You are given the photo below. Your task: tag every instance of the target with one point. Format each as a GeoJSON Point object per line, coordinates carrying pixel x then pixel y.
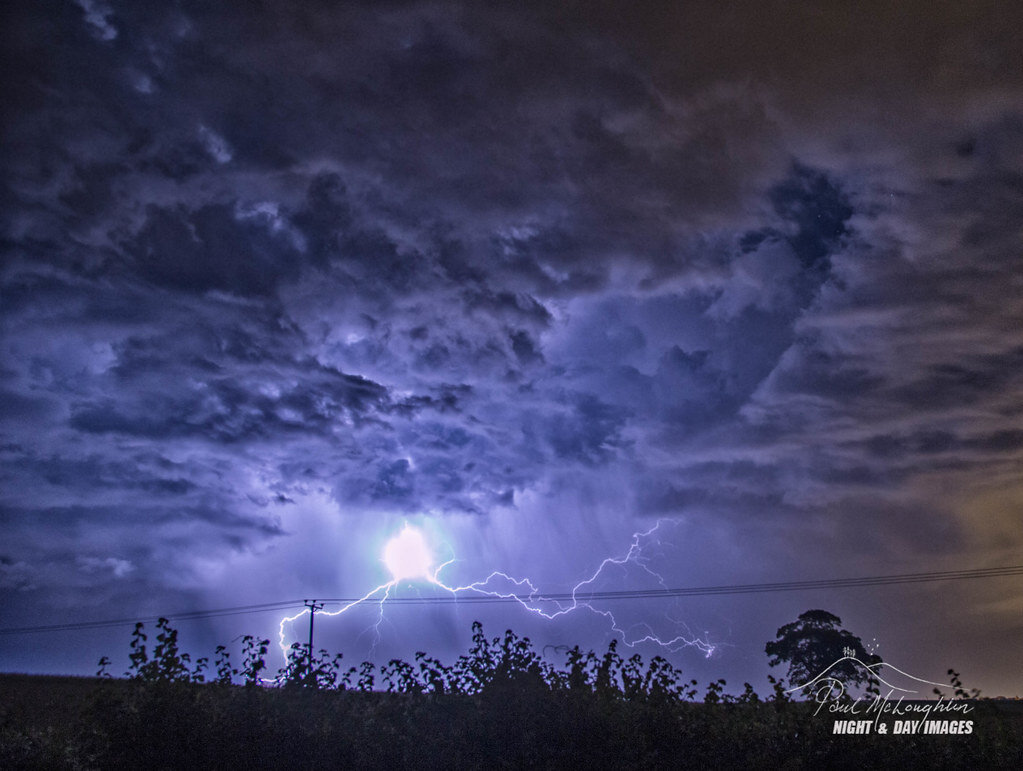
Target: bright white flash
{"type": "Point", "coordinates": [408, 556]}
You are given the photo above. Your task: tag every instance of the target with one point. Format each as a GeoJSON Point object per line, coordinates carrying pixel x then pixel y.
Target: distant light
{"type": "Point", "coordinates": [408, 556]}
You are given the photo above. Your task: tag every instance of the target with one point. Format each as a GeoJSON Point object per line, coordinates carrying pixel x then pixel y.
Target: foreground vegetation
{"type": "Point", "coordinates": [500, 705]}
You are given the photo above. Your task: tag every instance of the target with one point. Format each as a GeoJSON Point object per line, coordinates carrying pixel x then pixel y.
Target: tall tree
{"type": "Point", "coordinates": [816, 646]}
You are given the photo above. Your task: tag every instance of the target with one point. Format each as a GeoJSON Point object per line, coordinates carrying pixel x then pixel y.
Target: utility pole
{"type": "Point", "coordinates": [313, 606]}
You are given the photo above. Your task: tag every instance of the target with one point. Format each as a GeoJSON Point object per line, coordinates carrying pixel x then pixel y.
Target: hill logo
{"type": "Point", "coordinates": [892, 704]}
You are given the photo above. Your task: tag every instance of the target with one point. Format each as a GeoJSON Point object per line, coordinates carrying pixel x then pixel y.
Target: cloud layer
{"type": "Point", "coordinates": [273, 281]}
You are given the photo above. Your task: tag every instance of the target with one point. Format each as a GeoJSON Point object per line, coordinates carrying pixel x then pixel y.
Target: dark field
{"type": "Point", "coordinates": [65, 722]}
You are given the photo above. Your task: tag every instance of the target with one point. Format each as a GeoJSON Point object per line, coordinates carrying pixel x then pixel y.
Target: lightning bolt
{"type": "Point", "coordinates": [408, 558]}
{"type": "Point", "coordinates": [634, 555]}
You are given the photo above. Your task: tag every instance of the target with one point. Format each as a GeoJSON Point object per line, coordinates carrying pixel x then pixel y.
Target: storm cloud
{"type": "Point", "coordinates": [537, 274]}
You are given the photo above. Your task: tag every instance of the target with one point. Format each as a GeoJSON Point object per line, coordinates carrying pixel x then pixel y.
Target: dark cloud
{"type": "Point", "coordinates": [208, 249]}
{"type": "Point", "coordinates": [273, 279]}
{"type": "Point", "coordinates": [946, 384]}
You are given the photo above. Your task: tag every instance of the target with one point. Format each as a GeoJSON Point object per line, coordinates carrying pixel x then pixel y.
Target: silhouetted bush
{"type": "Point", "coordinates": [498, 705]}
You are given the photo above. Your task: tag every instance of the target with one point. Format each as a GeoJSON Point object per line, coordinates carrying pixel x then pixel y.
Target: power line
{"type": "Point", "coordinates": [561, 597]}
{"type": "Point", "coordinates": [184, 616]}
{"type": "Point", "coordinates": [836, 583]}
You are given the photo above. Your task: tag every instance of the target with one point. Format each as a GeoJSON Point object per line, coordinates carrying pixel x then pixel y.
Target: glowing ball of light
{"type": "Point", "coordinates": [408, 556]}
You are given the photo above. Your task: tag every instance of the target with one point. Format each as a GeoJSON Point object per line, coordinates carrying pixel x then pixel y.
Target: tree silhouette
{"type": "Point", "coordinates": [815, 645]}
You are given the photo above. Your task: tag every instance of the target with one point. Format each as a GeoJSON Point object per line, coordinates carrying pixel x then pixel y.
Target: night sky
{"type": "Point", "coordinates": [281, 278]}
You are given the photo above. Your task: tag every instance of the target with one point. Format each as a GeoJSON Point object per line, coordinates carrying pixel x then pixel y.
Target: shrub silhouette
{"type": "Point", "coordinates": [167, 664]}
{"type": "Point", "coordinates": [498, 705]}
{"type": "Point", "coordinates": [491, 664]}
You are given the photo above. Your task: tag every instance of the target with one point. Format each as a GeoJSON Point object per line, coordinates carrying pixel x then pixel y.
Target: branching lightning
{"type": "Point", "coordinates": [408, 557]}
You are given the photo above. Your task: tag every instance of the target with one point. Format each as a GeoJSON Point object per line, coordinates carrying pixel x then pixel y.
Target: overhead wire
{"type": "Point", "coordinates": [535, 598]}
